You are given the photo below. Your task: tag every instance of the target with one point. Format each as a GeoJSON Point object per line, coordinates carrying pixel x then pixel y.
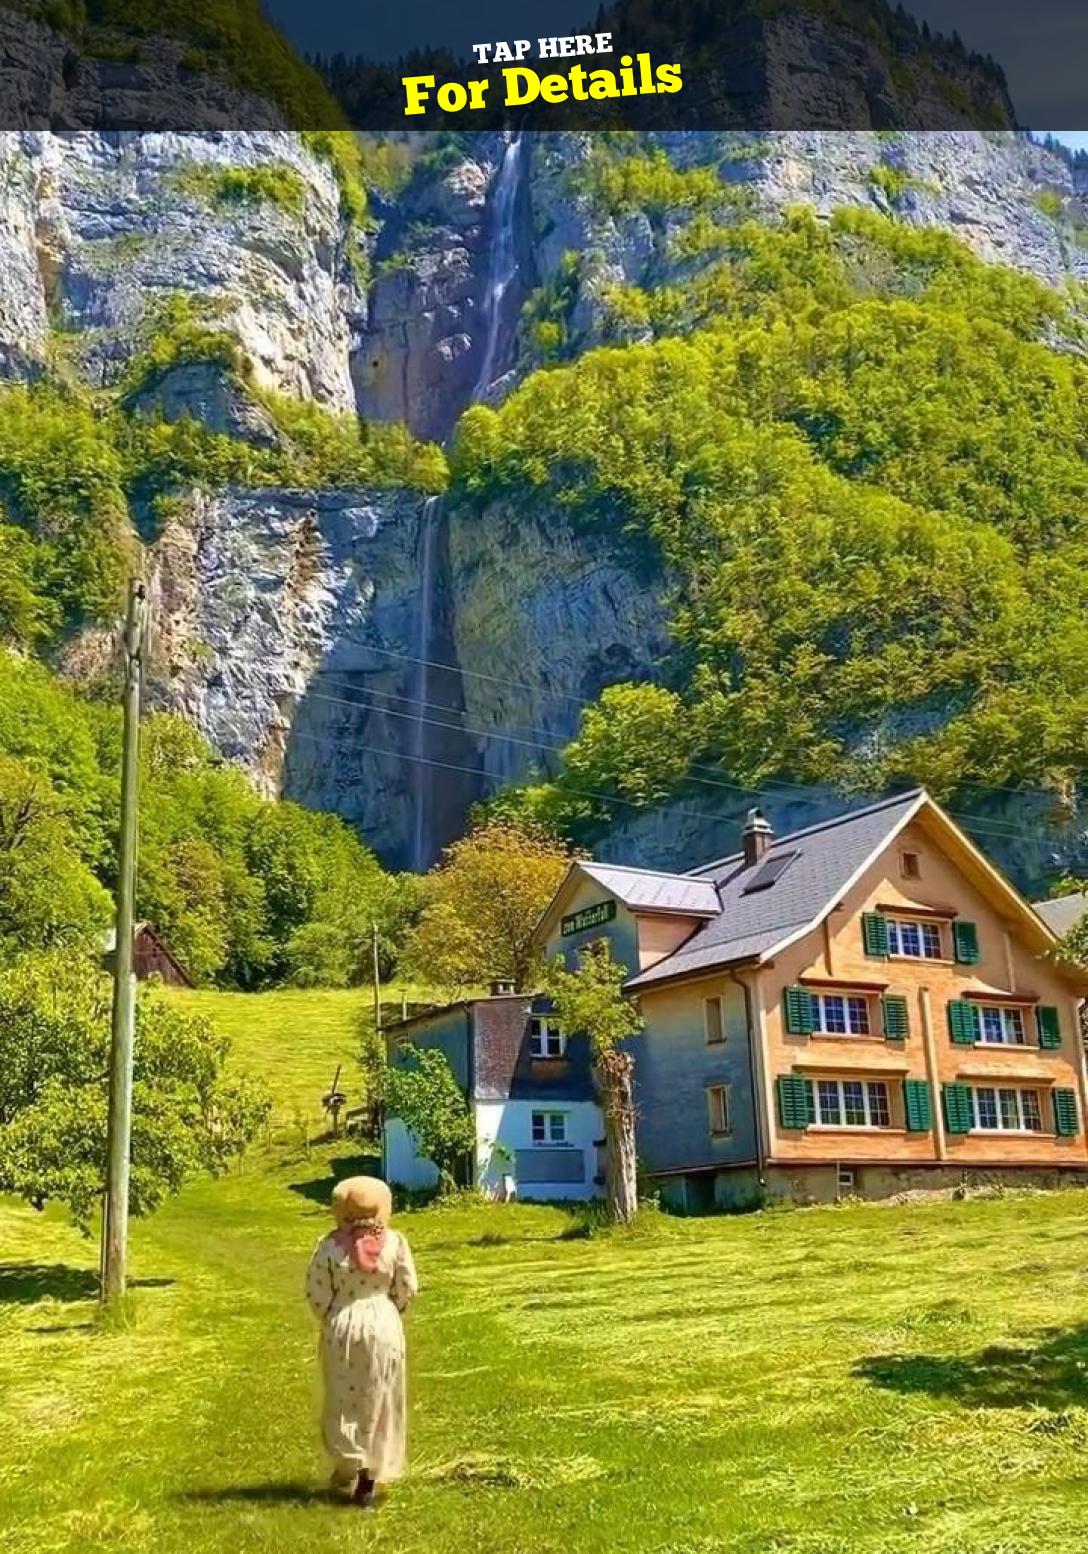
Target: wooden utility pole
{"type": "Point", "coordinates": [115, 1221]}
{"type": "Point", "coordinates": [377, 980]}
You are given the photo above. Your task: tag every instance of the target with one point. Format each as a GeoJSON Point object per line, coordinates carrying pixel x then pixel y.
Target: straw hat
{"type": "Point", "coordinates": [361, 1198]}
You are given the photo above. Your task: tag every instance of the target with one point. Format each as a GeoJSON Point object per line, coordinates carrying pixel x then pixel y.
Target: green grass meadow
{"type": "Point", "coordinates": [294, 1038]}
{"type": "Point", "coordinates": [908, 1379]}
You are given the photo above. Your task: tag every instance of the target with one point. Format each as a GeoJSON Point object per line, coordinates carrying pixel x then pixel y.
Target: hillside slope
{"type": "Point", "coordinates": [363, 645]}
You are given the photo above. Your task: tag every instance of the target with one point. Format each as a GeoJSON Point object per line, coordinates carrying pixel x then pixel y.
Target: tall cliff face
{"type": "Point", "coordinates": [371, 652]}
{"type": "Point", "coordinates": [99, 226]}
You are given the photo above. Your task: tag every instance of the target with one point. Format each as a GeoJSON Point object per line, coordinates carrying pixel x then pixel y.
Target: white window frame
{"type": "Point", "coordinates": [867, 1099]}
{"type": "Point", "coordinates": [1001, 1095]}
{"type": "Point", "coordinates": [544, 1030]}
{"type": "Point", "coordinates": [721, 1123]}
{"type": "Point", "coordinates": [713, 1039]}
{"type": "Point", "coordinates": [1008, 1015]}
{"type": "Point", "coordinates": [926, 928]}
{"type": "Point", "coordinates": [548, 1121]}
{"type": "Point", "coordinates": [853, 1006]}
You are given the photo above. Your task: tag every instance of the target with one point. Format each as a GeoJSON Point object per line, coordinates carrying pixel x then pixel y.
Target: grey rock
{"type": "Point", "coordinates": [205, 392]}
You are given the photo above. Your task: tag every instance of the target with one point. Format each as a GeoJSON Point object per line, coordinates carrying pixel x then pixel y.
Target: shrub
{"type": "Point", "coordinates": [271, 183]}
{"type": "Point", "coordinates": [188, 1115]}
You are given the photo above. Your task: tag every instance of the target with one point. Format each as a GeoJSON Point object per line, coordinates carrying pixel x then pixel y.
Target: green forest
{"type": "Point", "coordinates": [248, 893]}
{"type": "Point", "coordinates": [858, 453]}
{"type": "Point", "coordinates": [853, 453]}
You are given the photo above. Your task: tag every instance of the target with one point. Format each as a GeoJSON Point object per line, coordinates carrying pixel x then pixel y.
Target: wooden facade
{"type": "Point", "coordinates": [901, 1020]}
{"type": "Point", "coordinates": [151, 957]}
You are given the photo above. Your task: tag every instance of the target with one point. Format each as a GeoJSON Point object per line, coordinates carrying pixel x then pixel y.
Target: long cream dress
{"type": "Point", "coordinates": [362, 1355]}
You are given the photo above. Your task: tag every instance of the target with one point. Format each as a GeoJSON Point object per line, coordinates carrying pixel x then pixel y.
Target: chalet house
{"type": "Point", "coordinates": [530, 1090]}
{"type": "Point", "coordinates": [151, 957]}
{"type": "Point", "coordinates": [864, 1006]}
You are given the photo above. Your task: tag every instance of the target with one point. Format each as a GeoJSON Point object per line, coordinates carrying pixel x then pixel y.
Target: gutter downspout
{"type": "Point", "coordinates": [750, 1019]}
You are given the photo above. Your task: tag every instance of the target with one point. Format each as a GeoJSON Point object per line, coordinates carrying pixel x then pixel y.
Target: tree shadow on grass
{"type": "Point", "coordinates": [347, 1165]}
{"type": "Point", "coordinates": [290, 1492]}
{"type": "Point", "coordinates": [24, 1284]}
{"type": "Point", "coordinates": [1053, 1374]}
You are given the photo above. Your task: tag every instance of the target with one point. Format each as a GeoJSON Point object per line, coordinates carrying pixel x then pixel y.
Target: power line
{"type": "Point", "coordinates": [994, 829]}
{"type": "Point", "coordinates": [581, 701]}
{"type": "Point", "coordinates": [475, 771]}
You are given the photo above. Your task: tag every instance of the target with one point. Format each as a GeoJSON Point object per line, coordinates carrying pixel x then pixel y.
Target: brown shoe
{"type": "Point", "coordinates": [364, 1493]}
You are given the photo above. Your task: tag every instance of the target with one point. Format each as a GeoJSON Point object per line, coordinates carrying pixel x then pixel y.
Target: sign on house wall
{"type": "Point", "coordinates": [589, 917]}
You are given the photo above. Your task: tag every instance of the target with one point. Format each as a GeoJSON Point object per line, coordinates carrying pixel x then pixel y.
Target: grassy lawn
{"type": "Point", "coordinates": [292, 1038]}
{"type": "Point", "coordinates": [295, 1037]}
{"type": "Point", "coordinates": [832, 1381]}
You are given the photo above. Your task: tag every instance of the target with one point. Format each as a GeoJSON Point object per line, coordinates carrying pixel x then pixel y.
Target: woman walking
{"type": "Point", "coordinates": [361, 1277]}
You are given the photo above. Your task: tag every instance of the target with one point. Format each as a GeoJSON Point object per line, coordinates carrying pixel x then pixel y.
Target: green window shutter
{"type": "Point", "coordinates": [795, 1104]}
{"type": "Point", "coordinates": [962, 1022]}
{"type": "Point", "coordinates": [896, 1017]}
{"type": "Point", "coordinates": [957, 1108]}
{"type": "Point", "coordinates": [1065, 1113]}
{"type": "Point", "coordinates": [800, 1016]}
{"type": "Point", "coordinates": [874, 933]}
{"type": "Point", "coordinates": [916, 1105]}
{"type": "Point", "coordinates": [1046, 1023]}
{"type": "Point", "coordinates": [965, 942]}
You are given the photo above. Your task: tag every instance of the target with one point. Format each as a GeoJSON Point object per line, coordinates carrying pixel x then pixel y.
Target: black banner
{"type": "Point", "coordinates": [635, 64]}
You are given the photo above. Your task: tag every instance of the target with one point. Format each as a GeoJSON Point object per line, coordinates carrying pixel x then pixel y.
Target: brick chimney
{"type": "Point", "coordinates": [756, 837]}
{"type": "Point", "coordinates": [501, 988]}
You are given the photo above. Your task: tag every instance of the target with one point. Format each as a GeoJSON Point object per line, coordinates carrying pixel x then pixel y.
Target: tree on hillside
{"type": "Point", "coordinates": [635, 741]}
{"type": "Point", "coordinates": [482, 904]}
{"type": "Point", "coordinates": [189, 1114]}
{"type": "Point", "coordinates": [591, 1001]}
{"type": "Point", "coordinates": [48, 895]}
{"type": "Point", "coordinates": [421, 1092]}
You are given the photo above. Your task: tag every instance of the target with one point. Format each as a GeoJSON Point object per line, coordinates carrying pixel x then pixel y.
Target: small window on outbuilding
{"type": "Point", "coordinates": [549, 1127]}
{"type": "Point", "coordinates": [712, 1020]}
{"type": "Point", "coordinates": [910, 865]}
{"type": "Point", "coordinates": [546, 1039]}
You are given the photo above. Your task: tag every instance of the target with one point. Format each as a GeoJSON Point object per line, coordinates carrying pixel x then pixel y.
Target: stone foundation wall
{"type": "Point", "coordinates": [738, 1191]}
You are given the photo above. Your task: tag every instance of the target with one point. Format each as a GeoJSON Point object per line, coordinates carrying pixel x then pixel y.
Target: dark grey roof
{"type": "Point", "coordinates": [652, 890]}
{"type": "Point", "coordinates": [1063, 912]}
{"type": "Point", "coordinates": [752, 926]}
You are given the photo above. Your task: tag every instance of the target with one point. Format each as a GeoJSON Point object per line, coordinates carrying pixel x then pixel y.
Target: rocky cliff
{"type": "Point", "coordinates": [370, 651]}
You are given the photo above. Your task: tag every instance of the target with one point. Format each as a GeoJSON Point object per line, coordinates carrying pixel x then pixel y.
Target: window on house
{"type": "Point", "coordinates": [917, 940]}
{"type": "Point", "coordinates": [996, 1109]}
{"type": "Point", "coordinates": [712, 1019]}
{"type": "Point", "coordinates": [910, 866]}
{"type": "Point", "coordinates": [717, 1101]}
{"type": "Point", "coordinates": [549, 1127]}
{"type": "Point", "coordinates": [546, 1039]}
{"type": "Point", "coordinates": [999, 1026]}
{"type": "Point", "coordinates": [840, 1014]}
{"type": "Point", "coordinates": [852, 1103]}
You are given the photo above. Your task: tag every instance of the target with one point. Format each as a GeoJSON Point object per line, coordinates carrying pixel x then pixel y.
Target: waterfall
{"type": "Point", "coordinates": [502, 260]}
{"type": "Point", "coordinates": [502, 268]}
{"type": "Point", "coordinates": [429, 526]}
